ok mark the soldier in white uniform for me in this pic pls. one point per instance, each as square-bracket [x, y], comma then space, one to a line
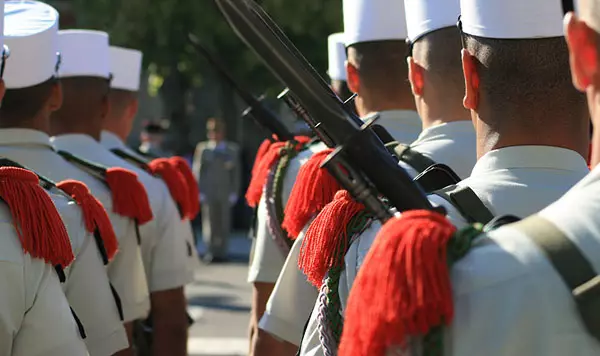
[448, 137]
[168, 254]
[35, 317]
[512, 294]
[32, 93]
[127, 269]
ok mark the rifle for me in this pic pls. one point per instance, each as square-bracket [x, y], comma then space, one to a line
[264, 117]
[360, 161]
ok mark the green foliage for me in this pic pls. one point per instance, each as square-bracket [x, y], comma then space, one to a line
[160, 27]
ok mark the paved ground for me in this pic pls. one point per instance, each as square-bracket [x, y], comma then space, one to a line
[219, 301]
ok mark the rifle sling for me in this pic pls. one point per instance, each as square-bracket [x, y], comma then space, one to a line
[468, 204]
[570, 263]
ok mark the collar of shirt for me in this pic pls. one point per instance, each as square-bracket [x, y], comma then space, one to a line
[543, 157]
[445, 130]
[110, 140]
[23, 137]
[81, 145]
[403, 125]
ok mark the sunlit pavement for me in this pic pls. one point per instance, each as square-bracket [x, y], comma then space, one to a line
[219, 302]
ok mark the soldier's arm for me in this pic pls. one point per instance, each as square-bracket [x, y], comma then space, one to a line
[48, 327]
[197, 162]
[126, 273]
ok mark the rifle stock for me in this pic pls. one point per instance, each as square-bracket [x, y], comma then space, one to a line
[360, 162]
[256, 109]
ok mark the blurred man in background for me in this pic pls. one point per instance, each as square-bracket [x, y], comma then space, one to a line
[152, 138]
[217, 167]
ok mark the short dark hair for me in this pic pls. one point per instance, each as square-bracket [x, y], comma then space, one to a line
[381, 65]
[119, 100]
[82, 96]
[25, 103]
[526, 77]
[439, 53]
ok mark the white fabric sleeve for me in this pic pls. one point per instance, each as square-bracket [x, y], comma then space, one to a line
[126, 273]
[167, 259]
[291, 302]
[89, 294]
[48, 327]
[268, 259]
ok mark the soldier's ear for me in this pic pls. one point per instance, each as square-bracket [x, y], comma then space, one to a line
[353, 77]
[132, 109]
[56, 97]
[415, 76]
[583, 51]
[2, 89]
[469, 64]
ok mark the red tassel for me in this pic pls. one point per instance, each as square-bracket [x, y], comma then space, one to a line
[174, 181]
[403, 287]
[262, 150]
[94, 214]
[325, 237]
[38, 224]
[129, 196]
[314, 188]
[193, 192]
[259, 178]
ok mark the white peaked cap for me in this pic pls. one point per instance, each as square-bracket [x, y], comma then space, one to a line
[424, 16]
[85, 53]
[337, 56]
[374, 20]
[512, 19]
[30, 33]
[126, 68]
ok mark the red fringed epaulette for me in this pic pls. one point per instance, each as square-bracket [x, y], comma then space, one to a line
[313, 190]
[263, 166]
[94, 214]
[403, 287]
[129, 196]
[37, 222]
[326, 235]
[260, 154]
[175, 182]
[193, 192]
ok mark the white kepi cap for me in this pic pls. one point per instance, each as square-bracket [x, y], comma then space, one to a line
[512, 19]
[425, 16]
[337, 56]
[85, 53]
[126, 68]
[374, 20]
[30, 33]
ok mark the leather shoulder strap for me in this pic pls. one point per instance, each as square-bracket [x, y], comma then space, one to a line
[137, 161]
[436, 177]
[418, 161]
[468, 204]
[95, 169]
[570, 263]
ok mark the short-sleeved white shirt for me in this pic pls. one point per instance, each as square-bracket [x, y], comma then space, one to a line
[87, 282]
[126, 271]
[167, 251]
[517, 180]
[35, 319]
[268, 259]
[507, 279]
[451, 143]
